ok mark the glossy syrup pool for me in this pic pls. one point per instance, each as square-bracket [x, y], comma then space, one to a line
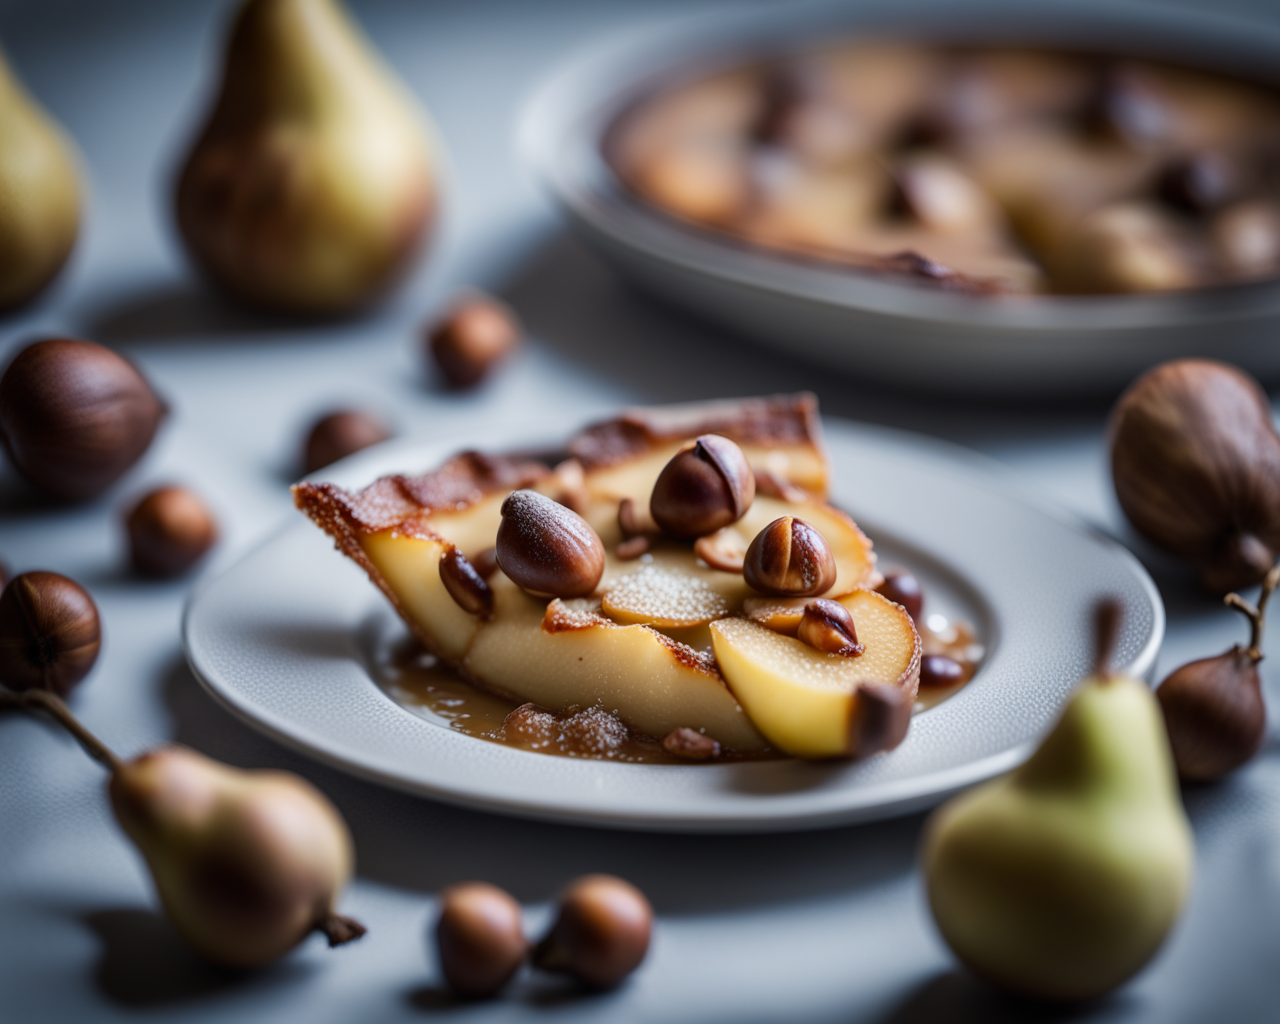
[417, 681]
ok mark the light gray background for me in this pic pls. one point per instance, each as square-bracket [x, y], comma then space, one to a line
[826, 926]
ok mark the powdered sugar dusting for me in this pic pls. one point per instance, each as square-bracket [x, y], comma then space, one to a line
[659, 595]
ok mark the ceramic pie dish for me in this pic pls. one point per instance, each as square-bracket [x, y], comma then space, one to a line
[869, 325]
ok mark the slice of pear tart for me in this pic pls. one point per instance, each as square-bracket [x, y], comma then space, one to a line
[666, 638]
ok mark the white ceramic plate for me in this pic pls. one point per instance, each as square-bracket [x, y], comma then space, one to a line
[291, 638]
[915, 337]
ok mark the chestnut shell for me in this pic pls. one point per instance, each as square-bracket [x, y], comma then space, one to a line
[74, 416]
[705, 487]
[49, 633]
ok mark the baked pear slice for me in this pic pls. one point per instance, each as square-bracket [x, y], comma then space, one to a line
[815, 705]
[640, 647]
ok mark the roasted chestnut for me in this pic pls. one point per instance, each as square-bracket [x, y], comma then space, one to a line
[706, 486]
[339, 434]
[169, 531]
[75, 416]
[546, 548]
[789, 558]
[828, 627]
[464, 583]
[901, 587]
[601, 933]
[479, 938]
[476, 334]
[49, 633]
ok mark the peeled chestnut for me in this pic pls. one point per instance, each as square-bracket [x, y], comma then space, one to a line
[169, 530]
[601, 933]
[479, 938]
[49, 633]
[901, 587]
[477, 334]
[546, 548]
[1213, 708]
[1196, 465]
[340, 434]
[706, 486]
[75, 416]
[789, 558]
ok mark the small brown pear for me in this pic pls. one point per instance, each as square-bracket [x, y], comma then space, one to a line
[1213, 707]
[40, 194]
[313, 182]
[247, 864]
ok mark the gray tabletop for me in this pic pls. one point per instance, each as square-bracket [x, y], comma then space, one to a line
[821, 926]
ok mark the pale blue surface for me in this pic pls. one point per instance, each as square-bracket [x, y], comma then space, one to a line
[817, 927]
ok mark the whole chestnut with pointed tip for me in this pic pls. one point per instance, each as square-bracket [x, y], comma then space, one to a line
[169, 530]
[827, 626]
[1195, 459]
[50, 633]
[1213, 708]
[548, 549]
[339, 434]
[601, 933]
[789, 558]
[479, 938]
[74, 416]
[706, 486]
[476, 335]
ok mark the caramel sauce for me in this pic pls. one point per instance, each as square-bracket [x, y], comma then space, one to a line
[957, 641]
[417, 680]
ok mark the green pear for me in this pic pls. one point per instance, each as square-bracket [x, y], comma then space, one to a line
[1062, 879]
[39, 194]
[246, 864]
[313, 183]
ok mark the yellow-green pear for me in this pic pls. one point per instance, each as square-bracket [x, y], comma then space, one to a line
[39, 194]
[1062, 879]
[247, 864]
[313, 183]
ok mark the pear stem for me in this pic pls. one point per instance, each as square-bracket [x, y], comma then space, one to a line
[1107, 623]
[46, 700]
[340, 930]
[1257, 615]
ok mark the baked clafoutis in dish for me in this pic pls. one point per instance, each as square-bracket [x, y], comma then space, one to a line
[676, 577]
[989, 170]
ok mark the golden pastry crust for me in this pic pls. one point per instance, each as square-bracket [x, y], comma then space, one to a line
[770, 421]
